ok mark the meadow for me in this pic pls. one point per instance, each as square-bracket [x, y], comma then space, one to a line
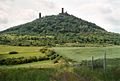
[23, 51]
[75, 53]
[85, 53]
[48, 71]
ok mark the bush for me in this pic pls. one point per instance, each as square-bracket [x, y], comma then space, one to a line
[50, 53]
[13, 52]
[43, 50]
[56, 59]
[21, 60]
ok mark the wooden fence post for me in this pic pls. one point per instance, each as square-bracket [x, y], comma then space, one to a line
[92, 63]
[104, 62]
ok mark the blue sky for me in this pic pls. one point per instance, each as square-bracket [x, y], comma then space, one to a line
[105, 13]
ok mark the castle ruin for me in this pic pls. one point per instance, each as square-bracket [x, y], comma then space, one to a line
[62, 12]
[39, 15]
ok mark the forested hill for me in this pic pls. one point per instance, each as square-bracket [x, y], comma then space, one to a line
[62, 23]
[58, 30]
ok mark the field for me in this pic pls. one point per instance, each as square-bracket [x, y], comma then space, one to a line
[76, 53]
[26, 52]
[49, 71]
[23, 51]
[85, 53]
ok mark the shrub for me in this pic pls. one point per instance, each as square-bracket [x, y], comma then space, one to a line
[53, 57]
[43, 50]
[21, 60]
[13, 52]
[50, 53]
[57, 59]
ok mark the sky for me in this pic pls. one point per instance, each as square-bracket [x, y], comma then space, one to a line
[104, 13]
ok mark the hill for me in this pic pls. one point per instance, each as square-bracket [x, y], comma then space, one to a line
[61, 23]
[62, 29]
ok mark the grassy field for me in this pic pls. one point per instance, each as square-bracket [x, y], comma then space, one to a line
[23, 51]
[40, 64]
[85, 53]
[76, 53]
[48, 71]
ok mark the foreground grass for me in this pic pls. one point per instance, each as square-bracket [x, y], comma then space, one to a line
[86, 74]
[60, 74]
[22, 74]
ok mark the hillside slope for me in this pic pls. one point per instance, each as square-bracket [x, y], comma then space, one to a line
[61, 29]
[62, 23]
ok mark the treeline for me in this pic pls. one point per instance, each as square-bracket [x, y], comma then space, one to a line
[21, 60]
[69, 39]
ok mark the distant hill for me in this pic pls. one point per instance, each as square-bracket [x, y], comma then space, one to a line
[62, 29]
[62, 23]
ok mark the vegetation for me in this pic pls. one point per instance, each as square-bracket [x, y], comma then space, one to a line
[86, 74]
[53, 70]
[13, 52]
[58, 30]
[29, 74]
[62, 23]
[45, 54]
[73, 40]
[75, 53]
[85, 53]
[82, 73]
[44, 50]
[21, 60]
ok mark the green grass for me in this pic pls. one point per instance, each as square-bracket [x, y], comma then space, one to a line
[5, 49]
[40, 64]
[48, 71]
[22, 52]
[29, 74]
[76, 53]
[85, 53]
[21, 55]
[59, 74]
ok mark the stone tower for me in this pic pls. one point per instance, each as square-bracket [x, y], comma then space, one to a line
[62, 10]
[39, 15]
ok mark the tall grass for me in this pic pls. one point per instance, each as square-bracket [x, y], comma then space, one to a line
[23, 74]
[112, 74]
[81, 73]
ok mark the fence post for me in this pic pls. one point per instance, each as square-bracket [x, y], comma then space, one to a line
[92, 63]
[104, 62]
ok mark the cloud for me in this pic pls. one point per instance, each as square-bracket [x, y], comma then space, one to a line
[3, 20]
[105, 13]
[15, 12]
[46, 3]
